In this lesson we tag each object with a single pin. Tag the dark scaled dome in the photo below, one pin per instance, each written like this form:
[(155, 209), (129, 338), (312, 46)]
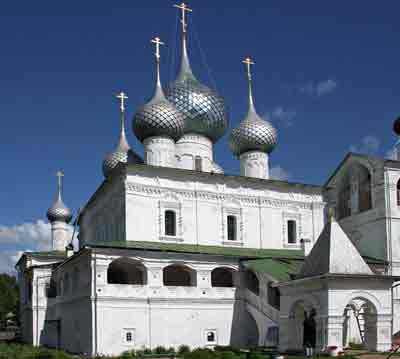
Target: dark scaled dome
[(122, 153), (203, 109), (59, 212), (158, 118), (253, 134)]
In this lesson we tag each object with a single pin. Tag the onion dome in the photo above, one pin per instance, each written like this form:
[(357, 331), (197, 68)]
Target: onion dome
[(203, 109), (123, 152), (158, 117), (253, 133), (59, 212)]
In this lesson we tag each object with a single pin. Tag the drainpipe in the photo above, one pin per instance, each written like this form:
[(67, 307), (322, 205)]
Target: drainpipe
[(388, 221)]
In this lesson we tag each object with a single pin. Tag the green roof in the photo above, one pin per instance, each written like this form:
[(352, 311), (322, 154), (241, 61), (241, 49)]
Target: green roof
[(278, 268), (60, 254), (202, 249)]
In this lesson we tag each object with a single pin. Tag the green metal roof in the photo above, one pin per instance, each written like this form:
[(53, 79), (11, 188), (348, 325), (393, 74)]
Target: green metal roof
[(278, 268), (60, 254), (202, 249)]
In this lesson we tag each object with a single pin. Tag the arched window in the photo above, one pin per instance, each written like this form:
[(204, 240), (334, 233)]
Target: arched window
[(222, 277), (274, 296), (344, 208), (252, 282), (179, 276), (126, 271), (291, 231), (198, 163), (170, 223), (364, 190), (398, 192), (232, 228)]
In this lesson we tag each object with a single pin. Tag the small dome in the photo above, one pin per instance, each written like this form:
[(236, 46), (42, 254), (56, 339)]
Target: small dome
[(253, 134), (158, 118), (59, 212), (114, 158), (203, 109)]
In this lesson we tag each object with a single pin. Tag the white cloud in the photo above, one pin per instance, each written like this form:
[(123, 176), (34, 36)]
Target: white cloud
[(279, 173), (29, 236), (318, 89), (369, 145), (285, 116), (35, 235)]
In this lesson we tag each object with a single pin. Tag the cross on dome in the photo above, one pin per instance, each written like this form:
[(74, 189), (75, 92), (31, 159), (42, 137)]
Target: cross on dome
[(122, 97), (184, 9), (248, 62), (157, 42)]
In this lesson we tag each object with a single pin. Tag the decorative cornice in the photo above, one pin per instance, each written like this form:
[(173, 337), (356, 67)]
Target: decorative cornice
[(249, 200)]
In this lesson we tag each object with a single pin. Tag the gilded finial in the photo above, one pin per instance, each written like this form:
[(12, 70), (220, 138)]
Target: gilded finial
[(122, 97), (249, 62), (184, 8)]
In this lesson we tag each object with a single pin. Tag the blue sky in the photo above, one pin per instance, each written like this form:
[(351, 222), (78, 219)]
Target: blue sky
[(326, 74)]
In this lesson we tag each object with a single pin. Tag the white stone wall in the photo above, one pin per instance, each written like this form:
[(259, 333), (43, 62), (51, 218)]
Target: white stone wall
[(202, 206)]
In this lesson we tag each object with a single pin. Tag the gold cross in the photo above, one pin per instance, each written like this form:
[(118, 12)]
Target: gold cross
[(184, 9), (122, 97), (157, 42), (248, 62)]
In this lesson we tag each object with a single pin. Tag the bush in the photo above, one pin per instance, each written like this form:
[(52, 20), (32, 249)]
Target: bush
[(227, 355), (183, 349), (160, 350)]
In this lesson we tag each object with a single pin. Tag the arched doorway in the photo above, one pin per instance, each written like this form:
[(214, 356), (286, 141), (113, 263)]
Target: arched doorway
[(360, 323), (126, 271), (302, 326)]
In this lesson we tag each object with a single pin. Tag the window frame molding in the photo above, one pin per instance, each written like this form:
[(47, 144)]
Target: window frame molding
[(288, 216), (125, 331), (172, 203), (237, 211), (215, 332)]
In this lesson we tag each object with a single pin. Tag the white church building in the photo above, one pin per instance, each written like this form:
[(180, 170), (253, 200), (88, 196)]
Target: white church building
[(173, 251)]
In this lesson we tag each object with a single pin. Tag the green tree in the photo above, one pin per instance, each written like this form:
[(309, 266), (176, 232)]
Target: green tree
[(8, 296)]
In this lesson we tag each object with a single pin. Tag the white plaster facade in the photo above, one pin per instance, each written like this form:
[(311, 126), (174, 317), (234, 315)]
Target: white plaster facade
[(125, 218)]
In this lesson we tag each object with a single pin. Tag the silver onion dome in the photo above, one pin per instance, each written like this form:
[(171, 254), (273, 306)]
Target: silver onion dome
[(253, 133), (203, 109), (59, 212), (158, 117), (122, 153)]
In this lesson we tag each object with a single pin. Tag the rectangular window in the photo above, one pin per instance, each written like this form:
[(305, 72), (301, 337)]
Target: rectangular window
[(170, 223), (211, 336), (129, 336), (291, 231), (231, 223)]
